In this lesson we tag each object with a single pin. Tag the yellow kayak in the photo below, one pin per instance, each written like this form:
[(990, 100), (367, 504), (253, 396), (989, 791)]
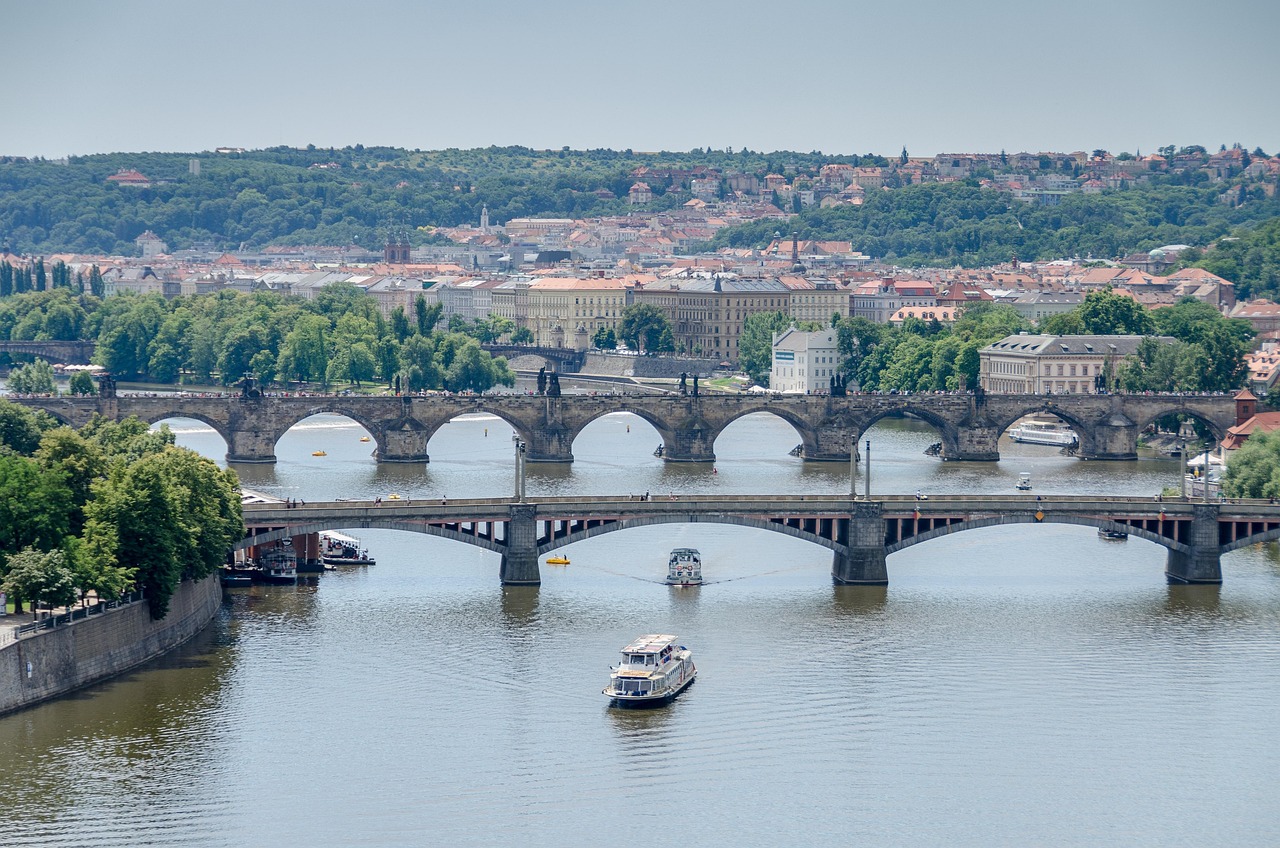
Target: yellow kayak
[(557, 560)]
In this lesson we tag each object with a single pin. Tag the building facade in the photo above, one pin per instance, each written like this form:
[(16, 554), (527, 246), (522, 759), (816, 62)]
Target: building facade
[(804, 363)]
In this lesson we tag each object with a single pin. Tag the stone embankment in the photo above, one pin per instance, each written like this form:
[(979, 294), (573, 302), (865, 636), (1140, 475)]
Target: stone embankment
[(48, 663)]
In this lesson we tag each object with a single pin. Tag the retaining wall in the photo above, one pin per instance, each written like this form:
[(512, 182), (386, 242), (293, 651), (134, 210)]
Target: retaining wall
[(75, 655)]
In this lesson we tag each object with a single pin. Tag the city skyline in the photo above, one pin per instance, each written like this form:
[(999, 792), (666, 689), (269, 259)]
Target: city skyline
[(818, 75)]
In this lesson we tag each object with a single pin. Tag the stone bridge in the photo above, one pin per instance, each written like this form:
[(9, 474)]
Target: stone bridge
[(861, 533), (565, 360), (67, 353), (829, 427)]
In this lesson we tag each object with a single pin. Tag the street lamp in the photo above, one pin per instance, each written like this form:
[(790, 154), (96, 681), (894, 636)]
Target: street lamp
[(868, 469), (520, 451), (1182, 478), (853, 468)]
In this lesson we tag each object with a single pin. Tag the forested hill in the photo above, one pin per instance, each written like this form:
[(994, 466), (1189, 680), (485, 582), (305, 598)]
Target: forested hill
[(962, 224), (330, 196)]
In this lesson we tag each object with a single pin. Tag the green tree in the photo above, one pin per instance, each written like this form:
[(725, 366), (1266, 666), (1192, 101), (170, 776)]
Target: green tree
[(22, 428), (42, 578), (304, 354), (755, 344), (82, 384), (34, 378), (1105, 313), (642, 327), (418, 369), (522, 336), (1254, 470), (604, 339)]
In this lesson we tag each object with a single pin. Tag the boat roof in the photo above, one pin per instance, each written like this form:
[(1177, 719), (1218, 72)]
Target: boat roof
[(687, 551), (651, 644), (338, 537)]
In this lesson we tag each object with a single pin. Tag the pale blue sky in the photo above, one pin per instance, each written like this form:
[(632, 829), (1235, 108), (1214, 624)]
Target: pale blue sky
[(82, 77)]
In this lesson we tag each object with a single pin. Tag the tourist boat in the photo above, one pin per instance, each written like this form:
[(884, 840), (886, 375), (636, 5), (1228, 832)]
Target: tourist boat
[(1117, 535), (684, 567), (277, 565), (653, 671), (337, 549), (1024, 482), (557, 560), (1043, 431), (319, 453)]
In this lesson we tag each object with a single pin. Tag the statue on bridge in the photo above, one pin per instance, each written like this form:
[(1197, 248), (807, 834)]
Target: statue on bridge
[(695, 385), (684, 383), (553, 390), (106, 385), (839, 385), (542, 380), (248, 388)]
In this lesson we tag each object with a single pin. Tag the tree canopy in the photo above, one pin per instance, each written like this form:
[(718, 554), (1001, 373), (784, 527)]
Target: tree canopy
[(107, 508)]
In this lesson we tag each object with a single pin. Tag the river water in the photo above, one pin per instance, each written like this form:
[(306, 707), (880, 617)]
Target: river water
[(1024, 685)]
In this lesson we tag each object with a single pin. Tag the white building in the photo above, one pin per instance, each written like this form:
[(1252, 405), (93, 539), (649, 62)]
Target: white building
[(804, 363), (1035, 364)]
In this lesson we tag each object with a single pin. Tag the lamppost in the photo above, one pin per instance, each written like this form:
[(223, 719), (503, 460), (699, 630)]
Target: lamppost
[(520, 450), (853, 468), (1182, 478), (868, 495), (1204, 473)]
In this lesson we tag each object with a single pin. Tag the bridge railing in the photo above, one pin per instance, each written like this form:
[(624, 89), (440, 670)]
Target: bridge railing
[(452, 505)]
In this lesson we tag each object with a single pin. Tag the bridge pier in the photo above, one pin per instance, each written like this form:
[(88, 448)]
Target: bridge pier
[(862, 562), (251, 446), (693, 443), (1116, 439), (831, 444), (552, 443), (405, 443), (520, 559), (1204, 562), (971, 444)]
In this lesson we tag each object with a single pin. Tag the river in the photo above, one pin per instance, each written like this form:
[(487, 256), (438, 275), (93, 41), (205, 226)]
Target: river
[(1023, 685)]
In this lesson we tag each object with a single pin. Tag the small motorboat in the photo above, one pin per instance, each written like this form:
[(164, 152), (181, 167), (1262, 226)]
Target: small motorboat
[(1024, 482), (393, 497), (1114, 535), (557, 560), (364, 438), (319, 453), (654, 670)]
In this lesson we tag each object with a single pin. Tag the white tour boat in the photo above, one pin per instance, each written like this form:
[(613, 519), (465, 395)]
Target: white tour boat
[(653, 671), (1043, 431), (337, 549), (1024, 482), (684, 568)]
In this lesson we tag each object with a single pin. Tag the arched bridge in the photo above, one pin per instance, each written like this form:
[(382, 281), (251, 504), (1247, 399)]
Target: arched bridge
[(829, 427), (67, 353), (566, 360), (861, 533)]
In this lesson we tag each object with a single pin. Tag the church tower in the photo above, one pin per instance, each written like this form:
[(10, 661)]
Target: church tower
[(484, 219)]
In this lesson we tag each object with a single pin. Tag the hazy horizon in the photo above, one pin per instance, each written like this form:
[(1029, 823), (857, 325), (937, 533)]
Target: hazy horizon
[(837, 77)]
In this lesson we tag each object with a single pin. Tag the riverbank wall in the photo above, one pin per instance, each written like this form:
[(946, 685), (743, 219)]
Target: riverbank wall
[(50, 663)]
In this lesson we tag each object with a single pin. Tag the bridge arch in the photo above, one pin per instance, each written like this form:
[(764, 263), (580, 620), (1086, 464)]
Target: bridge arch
[(335, 407), (1026, 518), (278, 533), (1082, 428), (808, 435), (1216, 428), (679, 518), (1271, 535), (949, 434), (152, 418)]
